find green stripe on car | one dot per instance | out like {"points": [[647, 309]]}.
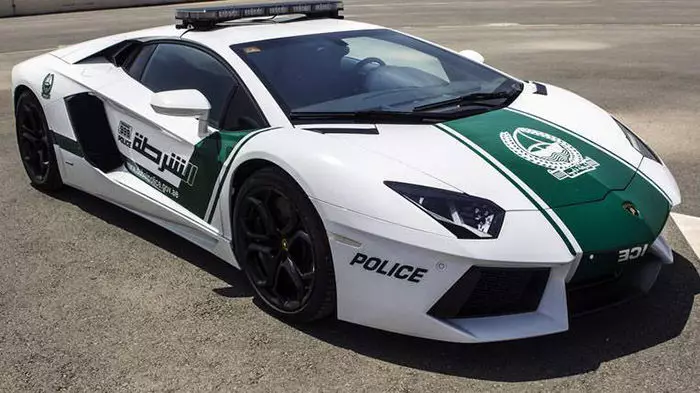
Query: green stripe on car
{"points": [[227, 166], [212, 156], [209, 156], [527, 194], [577, 181], [609, 152]]}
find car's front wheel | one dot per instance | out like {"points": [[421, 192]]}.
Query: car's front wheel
{"points": [[36, 143], [282, 246]]}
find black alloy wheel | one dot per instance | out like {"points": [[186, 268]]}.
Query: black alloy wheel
{"points": [[36, 144], [281, 244]]}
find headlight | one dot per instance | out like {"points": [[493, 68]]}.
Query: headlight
{"points": [[466, 216], [638, 143]]}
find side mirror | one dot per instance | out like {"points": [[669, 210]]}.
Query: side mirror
{"points": [[472, 55], [184, 103]]}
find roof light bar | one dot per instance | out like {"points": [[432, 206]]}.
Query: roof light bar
{"points": [[205, 18]]}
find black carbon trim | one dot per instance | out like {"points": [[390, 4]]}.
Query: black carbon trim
{"points": [[541, 89], [492, 291], [67, 144], [633, 280], [358, 131]]}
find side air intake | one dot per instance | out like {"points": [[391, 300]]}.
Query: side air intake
{"points": [[91, 127]]}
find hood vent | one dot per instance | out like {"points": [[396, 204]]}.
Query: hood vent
{"points": [[345, 130], [541, 89]]}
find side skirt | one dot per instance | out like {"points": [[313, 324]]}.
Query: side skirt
{"points": [[127, 191]]}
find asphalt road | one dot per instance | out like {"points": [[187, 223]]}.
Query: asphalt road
{"points": [[94, 298]]}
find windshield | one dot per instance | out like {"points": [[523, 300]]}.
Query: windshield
{"points": [[373, 71]]}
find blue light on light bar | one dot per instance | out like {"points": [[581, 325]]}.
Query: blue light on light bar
{"points": [[210, 16]]}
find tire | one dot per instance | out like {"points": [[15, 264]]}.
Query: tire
{"points": [[35, 144], [282, 246]]}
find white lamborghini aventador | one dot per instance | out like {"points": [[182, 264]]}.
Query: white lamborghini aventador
{"points": [[353, 170]]}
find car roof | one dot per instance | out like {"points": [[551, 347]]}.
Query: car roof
{"points": [[227, 34], [76, 52], [238, 33]]}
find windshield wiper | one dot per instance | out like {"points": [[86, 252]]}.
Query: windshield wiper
{"points": [[374, 116], [469, 99]]}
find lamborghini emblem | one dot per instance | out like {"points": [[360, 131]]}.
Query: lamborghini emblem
{"points": [[630, 208]]}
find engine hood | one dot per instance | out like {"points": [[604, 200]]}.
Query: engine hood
{"points": [[557, 149], [557, 154]]}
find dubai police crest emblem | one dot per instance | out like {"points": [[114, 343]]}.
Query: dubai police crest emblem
{"points": [[561, 159], [47, 86]]}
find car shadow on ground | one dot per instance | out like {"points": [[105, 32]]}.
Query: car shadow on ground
{"points": [[592, 339], [160, 237]]}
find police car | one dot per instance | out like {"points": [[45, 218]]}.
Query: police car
{"points": [[355, 171]]}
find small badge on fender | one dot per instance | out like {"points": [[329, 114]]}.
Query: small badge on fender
{"points": [[389, 269], [47, 86], [124, 134]]}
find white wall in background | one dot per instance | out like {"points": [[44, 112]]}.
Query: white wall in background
{"points": [[5, 7], [30, 7]]}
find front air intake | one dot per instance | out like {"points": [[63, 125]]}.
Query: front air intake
{"points": [[490, 291]]}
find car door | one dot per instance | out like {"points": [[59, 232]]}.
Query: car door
{"points": [[169, 153]]}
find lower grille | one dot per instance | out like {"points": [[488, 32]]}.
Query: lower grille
{"points": [[489, 291], [611, 287]]}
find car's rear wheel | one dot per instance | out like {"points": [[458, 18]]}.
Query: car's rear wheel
{"points": [[36, 144], [282, 246]]}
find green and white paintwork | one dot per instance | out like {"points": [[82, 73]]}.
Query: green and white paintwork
{"points": [[551, 221], [590, 205]]}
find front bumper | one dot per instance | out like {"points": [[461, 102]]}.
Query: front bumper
{"points": [[627, 282], [392, 278]]}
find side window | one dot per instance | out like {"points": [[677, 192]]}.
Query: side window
{"points": [[136, 64], [242, 113], [177, 67]]}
